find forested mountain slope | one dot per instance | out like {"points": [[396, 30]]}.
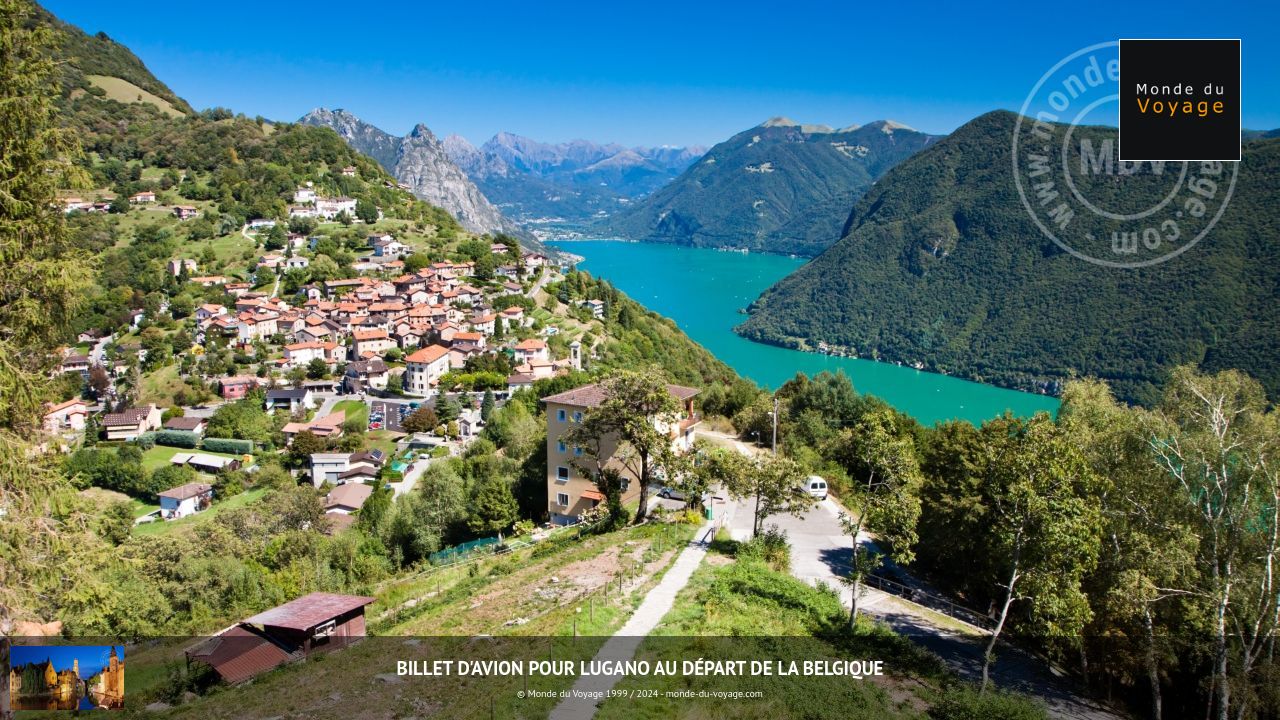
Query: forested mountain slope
{"points": [[940, 264], [778, 187]]}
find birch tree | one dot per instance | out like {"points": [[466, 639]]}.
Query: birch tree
{"points": [[1043, 526], [1216, 438], [886, 495], [1146, 570]]}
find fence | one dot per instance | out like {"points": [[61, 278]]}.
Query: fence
{"points": [[451, 555], [451, 558], [929, 600]]}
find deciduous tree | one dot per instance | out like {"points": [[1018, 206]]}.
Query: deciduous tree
{"points": [[1043, 525], [886, 494], [624, 428]]}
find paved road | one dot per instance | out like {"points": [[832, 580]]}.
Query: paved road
{"points": [[99, 349], [543, 276], [821, 552]]}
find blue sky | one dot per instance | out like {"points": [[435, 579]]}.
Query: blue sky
{"points": [[647, 73], [92, 658]]}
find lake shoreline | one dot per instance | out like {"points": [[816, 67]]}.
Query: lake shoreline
{"points": [[704, 291]]}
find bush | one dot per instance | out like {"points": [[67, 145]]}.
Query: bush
{"points": [[228, 445], [968, 704], [145, 441], [770, 547], [177, 438]]}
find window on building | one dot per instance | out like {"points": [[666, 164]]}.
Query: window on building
{"points": [[560, 446], [562, 473], [560, 415], [577, 451], [562, 499], [577, 417]]}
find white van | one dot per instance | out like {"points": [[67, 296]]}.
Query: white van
{"points": [[816, 487]]}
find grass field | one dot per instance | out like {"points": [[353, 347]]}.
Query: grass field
{"points": [[383, 440], [159, 386], [126, 92], [160, 455], [248, 497], [743, 609], [102, 497], [355, 410]]}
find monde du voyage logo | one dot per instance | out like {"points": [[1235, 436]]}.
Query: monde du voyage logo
{"points": [[1152, 189]]}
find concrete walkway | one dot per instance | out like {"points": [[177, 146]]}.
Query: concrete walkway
{"points": [[581, 703]]}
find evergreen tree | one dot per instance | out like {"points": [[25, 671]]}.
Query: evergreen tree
{"points": [[42, 284], [493, 507]]}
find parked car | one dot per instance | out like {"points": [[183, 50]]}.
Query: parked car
{"points": [[670, 493], [815, 486]]}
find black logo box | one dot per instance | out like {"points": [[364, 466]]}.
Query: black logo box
{"points": [[1190, 65]]}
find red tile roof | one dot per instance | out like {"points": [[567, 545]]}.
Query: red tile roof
{"points": [[428, 354]]}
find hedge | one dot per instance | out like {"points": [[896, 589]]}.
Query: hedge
{"points": [[228, 445], [146, 440], [178, 439]]}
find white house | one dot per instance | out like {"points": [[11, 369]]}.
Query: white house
{"points": [[209, 310], [129, 424], [330, 208], [304, 195], [292, 399], [70, 415], [342, 468], [299, 354], [423, 369], [326, 467], [256, 326], [185, 500], [527, 351]]}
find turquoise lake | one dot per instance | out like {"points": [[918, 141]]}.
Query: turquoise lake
{"points": [[703, 291]]}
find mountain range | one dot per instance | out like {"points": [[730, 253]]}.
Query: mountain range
{"points": [[569, 182], [778, 187], [419, 161], [941, 265]]}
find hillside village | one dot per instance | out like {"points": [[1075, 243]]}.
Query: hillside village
{"points": [[408, 338]]}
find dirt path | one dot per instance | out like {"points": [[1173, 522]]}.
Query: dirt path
{"points": [[581, 703]]}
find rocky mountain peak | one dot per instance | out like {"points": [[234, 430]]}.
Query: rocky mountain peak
{"points": [[420, 161]]}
